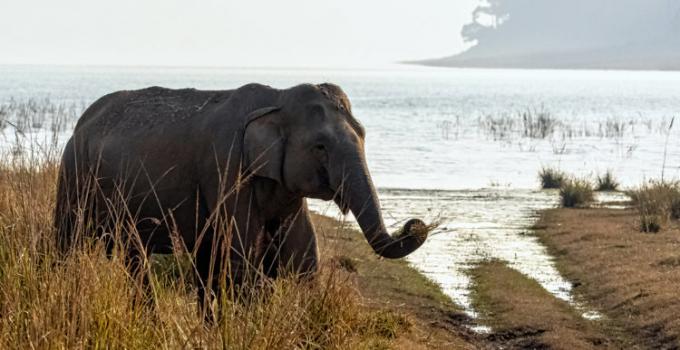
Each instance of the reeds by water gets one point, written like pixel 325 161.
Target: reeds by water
pixel 38 114
pixel 551 178
pixel 539 123
pixel 607 182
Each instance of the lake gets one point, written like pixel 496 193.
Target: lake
pixel 460 145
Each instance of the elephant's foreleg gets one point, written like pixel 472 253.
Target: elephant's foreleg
pixel 136 262
pixel 297 251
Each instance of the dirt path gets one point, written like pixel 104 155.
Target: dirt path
pixel 435 321
pixel 524 315
pixel 632 278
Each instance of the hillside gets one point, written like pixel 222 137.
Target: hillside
pixel 580 34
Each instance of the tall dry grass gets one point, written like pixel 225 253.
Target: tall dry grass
pixel 88 300
pixel 576 193
pixel 657 202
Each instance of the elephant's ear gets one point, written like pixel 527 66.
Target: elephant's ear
pixel 263 144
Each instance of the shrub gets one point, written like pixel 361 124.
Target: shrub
pixel 607 182
pixel 576 193
pixel 551 178
pixel 657 202
pixel 650 222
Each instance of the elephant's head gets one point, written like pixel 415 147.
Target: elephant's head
pixel 311 144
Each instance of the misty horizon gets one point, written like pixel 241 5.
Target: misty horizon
pixel 230 34
pixel 622 34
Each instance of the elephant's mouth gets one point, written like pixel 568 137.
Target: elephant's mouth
pixel 327 192
pixel 324 194
pixel 335 194
pixel 340 202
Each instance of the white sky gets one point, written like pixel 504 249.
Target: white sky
pixel 273 33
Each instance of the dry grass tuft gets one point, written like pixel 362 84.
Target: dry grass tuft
pixel 607 182
pixel 657 203
pixel 551 178
pixel 576 193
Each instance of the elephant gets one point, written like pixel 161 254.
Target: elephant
pixel 176 161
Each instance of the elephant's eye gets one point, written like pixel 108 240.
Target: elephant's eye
pixel 319 151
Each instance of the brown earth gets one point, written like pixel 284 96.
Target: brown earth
pixel 435 322
pixel 632 278
pixel 524 315
pixel 629 277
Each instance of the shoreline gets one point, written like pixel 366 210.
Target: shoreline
pixel 545 68
pixel 437 322
pixel 628 276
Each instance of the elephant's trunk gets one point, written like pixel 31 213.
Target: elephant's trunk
pixel 359 194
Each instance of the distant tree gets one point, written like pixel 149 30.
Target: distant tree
pixel 533 26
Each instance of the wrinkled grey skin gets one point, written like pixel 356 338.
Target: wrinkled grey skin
pixel 176 158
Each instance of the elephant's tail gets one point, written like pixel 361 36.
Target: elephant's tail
pixel 64 214
pixel 68 197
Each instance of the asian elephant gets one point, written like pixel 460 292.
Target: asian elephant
pixel 174 162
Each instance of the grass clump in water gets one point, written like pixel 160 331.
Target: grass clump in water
pixel 607 182
pixel 576 193
pixel 537 123
pixel 551 178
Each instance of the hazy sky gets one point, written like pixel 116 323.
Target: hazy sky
pixel 270 33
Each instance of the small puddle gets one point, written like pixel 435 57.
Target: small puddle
pixel 612 200
pixel 476 225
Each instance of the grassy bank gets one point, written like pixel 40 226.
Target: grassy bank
pixel 393 285
pixel 90 301
pixel 631 277
pixel 524 315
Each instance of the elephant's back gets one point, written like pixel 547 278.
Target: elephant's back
pixel 149 108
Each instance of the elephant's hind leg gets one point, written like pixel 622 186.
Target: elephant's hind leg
pixel 64 217
pixel 209 267
pixel 138 265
